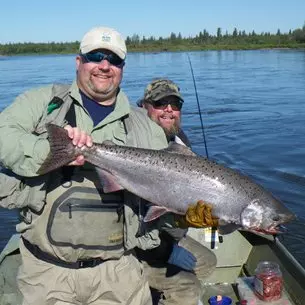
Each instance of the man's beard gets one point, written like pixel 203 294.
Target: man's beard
pixel 105 92
pixel 173 130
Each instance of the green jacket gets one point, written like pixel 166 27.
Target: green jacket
pixel 22 150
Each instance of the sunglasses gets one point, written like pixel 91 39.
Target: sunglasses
pixel 97 57
pixel 163 104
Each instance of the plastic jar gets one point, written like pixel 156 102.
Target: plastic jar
pixel 268 281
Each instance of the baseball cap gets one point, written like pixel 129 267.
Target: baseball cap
pixel 104 38
pixel 160 88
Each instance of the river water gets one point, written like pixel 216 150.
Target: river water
pixel 252 108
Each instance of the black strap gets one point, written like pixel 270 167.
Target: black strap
pixel 46 257
pixel 70 116
pixel 67 171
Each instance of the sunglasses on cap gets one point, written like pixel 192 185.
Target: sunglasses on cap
pixel 163 104
pixel 97 57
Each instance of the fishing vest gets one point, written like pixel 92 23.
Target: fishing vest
pixel 79 221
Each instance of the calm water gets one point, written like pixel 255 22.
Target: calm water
pixel 252 105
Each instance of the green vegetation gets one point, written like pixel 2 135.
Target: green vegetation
pixel 237 40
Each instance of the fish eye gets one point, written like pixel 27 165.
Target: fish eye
pixel 276 218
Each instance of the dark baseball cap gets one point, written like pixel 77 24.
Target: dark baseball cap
pixel 159 89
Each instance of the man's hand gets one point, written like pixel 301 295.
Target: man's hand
pixel 198 215
pixel 79 139
pixel 182 258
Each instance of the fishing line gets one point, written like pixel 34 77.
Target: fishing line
pixel 199 110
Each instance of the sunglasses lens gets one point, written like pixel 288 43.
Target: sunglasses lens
pixel 97 57
pixel 162 104
pixel 94 57
pixel 115 60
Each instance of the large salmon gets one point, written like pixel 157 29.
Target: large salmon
pixel 172 179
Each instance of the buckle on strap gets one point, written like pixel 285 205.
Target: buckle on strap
pixel 89 263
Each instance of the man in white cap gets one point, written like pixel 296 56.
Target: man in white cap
pixel 76 240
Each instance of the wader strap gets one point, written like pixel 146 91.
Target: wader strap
pixel 70 116
pixel 67 171
pixel 128 130
pixel 46 257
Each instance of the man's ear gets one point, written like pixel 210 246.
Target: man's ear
pixel 78 61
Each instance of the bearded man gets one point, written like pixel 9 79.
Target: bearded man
pixel 176 280
pixel 163 101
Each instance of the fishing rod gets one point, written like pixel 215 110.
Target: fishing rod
pixel 199 110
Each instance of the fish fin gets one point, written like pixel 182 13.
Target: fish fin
pixel 62 150
pixel 177 148
pixel 155 212
pixel 228 228
pixel 108 181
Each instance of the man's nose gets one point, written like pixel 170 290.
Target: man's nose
pixel 104 65
pixel 169 108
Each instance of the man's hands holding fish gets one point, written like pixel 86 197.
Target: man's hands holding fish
pixel 79 138
pixel 198 215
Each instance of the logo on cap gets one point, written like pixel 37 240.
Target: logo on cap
pixel 106 37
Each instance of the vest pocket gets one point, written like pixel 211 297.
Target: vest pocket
pixel 81 217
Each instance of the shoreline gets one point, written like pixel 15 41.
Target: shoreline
pixel 171 49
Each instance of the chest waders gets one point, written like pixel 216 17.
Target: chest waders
pixel 79 226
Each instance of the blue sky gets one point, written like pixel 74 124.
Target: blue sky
pixel 64 20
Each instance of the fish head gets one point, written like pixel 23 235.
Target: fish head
pixel 265 216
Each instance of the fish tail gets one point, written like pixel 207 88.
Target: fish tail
pixel 62 150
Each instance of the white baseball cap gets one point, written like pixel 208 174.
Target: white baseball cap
pixel 104 38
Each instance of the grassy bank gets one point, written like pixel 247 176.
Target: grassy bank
pixel 237 40
pixel 153 48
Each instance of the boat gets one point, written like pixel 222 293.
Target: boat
pixel 238 255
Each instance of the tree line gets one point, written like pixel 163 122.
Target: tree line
pixel 175 42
